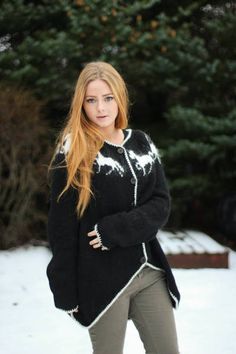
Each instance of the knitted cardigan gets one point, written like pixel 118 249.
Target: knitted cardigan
pixel 131 203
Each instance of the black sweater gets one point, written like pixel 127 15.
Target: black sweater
pixel 131 203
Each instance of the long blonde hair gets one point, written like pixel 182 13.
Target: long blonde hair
pixel 85 139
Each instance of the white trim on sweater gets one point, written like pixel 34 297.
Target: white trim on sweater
pixel 73 310
pixel 103 248
pixel 123 142
pixel 146 263
pixel 117 295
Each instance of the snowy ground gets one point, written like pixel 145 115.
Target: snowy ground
pixel 29 323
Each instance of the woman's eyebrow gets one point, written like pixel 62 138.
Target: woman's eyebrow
pixel 107 94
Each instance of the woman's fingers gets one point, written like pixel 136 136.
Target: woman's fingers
pixel 95 242
pixel 92 233
pixel 97 245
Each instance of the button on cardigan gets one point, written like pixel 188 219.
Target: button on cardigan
pixel 131 203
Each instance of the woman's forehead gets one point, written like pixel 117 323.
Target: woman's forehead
pixel 98 87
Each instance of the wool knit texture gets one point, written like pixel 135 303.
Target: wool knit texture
pixel 131 204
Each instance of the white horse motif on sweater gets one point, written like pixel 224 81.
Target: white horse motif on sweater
pixel 155 152
pixel 65 147
pixel 142 162
pixel 108 161
pixel 145 162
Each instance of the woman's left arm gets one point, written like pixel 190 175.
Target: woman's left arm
pixel 62 230
pixel 140 224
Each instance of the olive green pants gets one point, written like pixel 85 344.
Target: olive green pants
pixel 147 303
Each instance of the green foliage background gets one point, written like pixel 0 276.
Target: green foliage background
pixel 178 59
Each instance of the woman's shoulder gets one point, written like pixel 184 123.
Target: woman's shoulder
pixel 145 139
pixel 61 150
pixel 141 134
pixel 63 146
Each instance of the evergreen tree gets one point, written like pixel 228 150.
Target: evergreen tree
pixel 201 144
pixel 178 59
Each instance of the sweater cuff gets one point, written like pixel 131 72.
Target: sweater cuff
pixel 103 248
pixel 73 310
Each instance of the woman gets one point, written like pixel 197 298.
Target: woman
pixel 108 200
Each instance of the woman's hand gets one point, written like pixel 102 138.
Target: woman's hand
pixel 95 243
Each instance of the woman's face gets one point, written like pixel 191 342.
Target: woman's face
pixel 100 105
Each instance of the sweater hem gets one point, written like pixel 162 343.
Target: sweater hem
pixel 120 293
pixel 114 299
pixel 174 298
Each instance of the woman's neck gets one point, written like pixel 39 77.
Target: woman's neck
pixel 115 137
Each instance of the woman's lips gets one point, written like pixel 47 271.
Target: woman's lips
pixel 101 116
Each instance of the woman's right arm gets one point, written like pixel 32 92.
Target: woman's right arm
pixel 62 232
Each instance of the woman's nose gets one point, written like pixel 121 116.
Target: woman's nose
pixel 100 106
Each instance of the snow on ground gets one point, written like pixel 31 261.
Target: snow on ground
pixel 30 324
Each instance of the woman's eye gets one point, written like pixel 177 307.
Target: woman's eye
pixel 90 100
pixel 109 98
pixel 93 100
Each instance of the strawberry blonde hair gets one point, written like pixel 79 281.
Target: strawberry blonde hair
pixel 84 137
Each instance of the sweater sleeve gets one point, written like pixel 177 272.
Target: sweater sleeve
pixel 142 223
pixel 62 230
